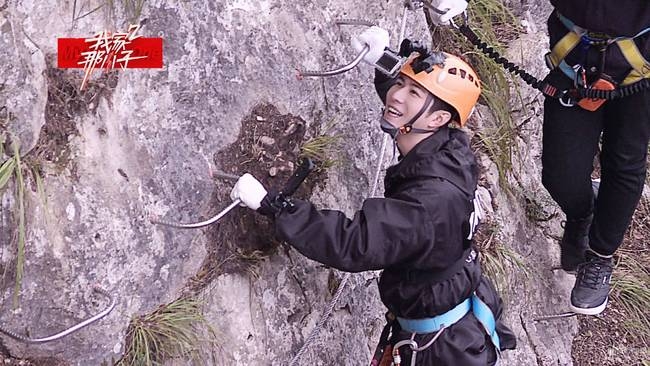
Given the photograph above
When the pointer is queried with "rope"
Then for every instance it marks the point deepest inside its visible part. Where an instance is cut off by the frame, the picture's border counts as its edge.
(493, 54)
(346, 277)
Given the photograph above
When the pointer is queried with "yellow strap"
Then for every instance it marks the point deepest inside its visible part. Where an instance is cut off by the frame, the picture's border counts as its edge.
(640, 66)
(563, 47)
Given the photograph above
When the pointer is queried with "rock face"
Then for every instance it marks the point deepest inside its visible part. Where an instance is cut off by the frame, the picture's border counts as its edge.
(140, 143)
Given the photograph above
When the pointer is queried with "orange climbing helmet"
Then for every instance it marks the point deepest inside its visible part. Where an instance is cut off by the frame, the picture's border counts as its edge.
(452, 80)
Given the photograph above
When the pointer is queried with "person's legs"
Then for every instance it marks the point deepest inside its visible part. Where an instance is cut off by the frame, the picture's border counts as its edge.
(623, 168)
(570, 142)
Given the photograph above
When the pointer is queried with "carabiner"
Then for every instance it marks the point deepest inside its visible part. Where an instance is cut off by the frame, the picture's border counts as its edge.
(397, 359)
(569, 102)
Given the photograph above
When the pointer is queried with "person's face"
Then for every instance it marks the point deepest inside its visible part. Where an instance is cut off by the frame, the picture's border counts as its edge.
(403, 101)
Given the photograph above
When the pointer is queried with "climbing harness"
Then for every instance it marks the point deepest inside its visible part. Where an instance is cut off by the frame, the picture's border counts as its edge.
(302, 171)
(434, 325)
(70, 330)
(389, 63)
(635, 82)
(580, 36)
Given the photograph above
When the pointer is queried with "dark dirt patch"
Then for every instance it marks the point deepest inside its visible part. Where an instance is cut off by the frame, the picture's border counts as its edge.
(65, 102)
(7, 360)
(267, 147)
(610, 340)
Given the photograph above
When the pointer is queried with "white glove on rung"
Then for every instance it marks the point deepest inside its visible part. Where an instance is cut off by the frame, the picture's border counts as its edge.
(375, 37)
(451, 7)
(249, 190)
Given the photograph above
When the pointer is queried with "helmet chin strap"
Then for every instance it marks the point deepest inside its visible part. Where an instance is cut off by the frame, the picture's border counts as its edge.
(407, 127)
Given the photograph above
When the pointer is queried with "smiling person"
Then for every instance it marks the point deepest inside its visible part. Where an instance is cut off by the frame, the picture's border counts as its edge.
(441, 310)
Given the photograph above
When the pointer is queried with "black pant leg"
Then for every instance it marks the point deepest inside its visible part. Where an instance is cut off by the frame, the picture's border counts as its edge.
(569, 144)
(623, 168)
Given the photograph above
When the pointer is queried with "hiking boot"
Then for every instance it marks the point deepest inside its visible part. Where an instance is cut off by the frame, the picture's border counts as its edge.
(589, 295)
(575, 241)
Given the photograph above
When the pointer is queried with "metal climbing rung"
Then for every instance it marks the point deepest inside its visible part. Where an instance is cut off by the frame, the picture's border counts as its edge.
(70, 330)
(339, 70)
(366, 23)
(555, 316)
(197, 225)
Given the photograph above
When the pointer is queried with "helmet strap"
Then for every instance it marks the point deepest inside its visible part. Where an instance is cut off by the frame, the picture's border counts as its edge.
(408, 127)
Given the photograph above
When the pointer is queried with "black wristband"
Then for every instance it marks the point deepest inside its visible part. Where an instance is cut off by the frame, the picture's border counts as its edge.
(275, 202)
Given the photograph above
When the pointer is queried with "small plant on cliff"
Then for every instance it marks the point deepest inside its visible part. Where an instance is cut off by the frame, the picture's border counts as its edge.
(173, 330)
(324, 147)
(495, 24)
(12, 167)
(495, 256)
(631, 293)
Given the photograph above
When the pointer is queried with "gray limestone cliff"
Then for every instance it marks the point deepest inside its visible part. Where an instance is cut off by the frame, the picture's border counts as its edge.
(142, 142)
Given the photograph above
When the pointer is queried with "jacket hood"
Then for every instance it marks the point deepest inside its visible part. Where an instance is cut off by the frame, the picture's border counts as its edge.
(445, 154)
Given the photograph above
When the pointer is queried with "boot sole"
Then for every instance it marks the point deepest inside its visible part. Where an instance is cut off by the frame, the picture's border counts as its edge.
(589, 311)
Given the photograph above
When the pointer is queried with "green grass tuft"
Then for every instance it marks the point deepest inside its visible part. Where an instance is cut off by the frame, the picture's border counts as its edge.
(20, 194)
(496, 258)
(172, 331)
(12, 168)
(495, 24)
(631, 292)
(322, 149)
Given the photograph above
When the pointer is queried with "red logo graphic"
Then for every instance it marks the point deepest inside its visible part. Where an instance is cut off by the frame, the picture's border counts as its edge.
(108, 51)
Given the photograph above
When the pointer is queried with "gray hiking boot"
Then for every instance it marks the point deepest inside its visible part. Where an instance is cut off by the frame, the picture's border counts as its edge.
(589, 295)
(575, 241)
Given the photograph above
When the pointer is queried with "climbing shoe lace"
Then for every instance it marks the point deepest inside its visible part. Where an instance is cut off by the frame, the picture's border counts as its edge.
(589, 295)
(575, 242)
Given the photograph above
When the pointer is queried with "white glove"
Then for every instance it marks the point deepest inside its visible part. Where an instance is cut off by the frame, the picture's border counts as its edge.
(249, 190)
(451, 7)
(375, 37)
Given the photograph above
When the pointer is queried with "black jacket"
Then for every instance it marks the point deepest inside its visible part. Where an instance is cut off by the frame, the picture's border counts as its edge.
(420, 225)
(414, 233)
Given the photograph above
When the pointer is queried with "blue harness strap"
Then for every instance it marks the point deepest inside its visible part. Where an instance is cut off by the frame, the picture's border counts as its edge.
(484, 314)
(434, 324)
(431, 325)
